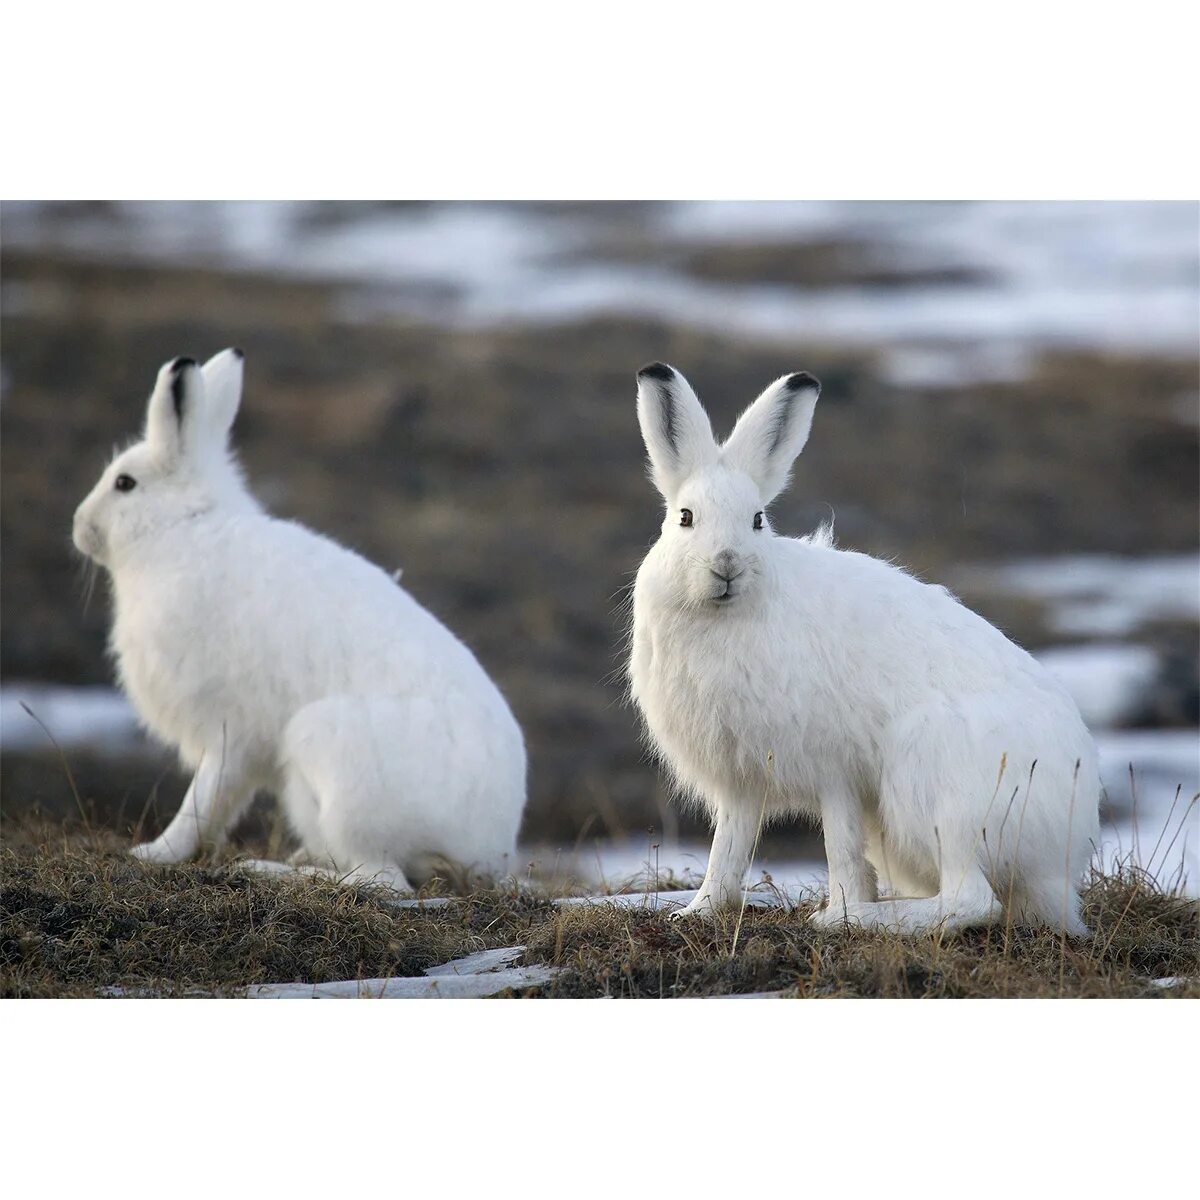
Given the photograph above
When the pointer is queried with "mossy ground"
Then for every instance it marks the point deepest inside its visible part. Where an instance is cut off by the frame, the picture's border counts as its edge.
(79, 917)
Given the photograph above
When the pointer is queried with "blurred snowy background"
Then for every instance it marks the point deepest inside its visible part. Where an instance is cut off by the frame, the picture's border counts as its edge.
(1011, 407)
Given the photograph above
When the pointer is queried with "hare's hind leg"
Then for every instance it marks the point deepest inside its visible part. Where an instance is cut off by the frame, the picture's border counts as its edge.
(933, 808)
(378, 787)
(326, 850)
(218, 794)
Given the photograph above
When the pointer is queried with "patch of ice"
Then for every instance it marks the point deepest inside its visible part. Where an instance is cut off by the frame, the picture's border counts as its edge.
(777, 995)
(441, 987)
(765, 898)
(1107, 680)
(478, 964)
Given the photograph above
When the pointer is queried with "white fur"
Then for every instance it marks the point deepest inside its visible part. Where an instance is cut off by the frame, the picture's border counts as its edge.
(831, 684)
(275, 659)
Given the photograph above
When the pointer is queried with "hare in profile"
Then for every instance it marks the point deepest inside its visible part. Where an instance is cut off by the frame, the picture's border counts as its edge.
(782, 675)
(272, 658)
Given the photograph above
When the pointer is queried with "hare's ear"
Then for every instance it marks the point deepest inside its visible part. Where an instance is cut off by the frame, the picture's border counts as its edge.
(222, 393)
(178, 394)
(675, 427)
(772, 431)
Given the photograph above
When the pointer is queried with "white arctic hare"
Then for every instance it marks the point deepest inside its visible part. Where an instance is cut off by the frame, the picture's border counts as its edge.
(781, 675)
(275, 659)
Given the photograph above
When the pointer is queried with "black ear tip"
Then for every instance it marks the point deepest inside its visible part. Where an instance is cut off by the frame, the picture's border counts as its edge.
(181, 364)
(657, 370)
(237, 352)
(801, 380)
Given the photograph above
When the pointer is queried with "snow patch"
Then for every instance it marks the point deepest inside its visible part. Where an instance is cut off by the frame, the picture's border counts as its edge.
(1107, 680)
(1104, 596)
(1110, 276)
(75, 716)
(447, 987)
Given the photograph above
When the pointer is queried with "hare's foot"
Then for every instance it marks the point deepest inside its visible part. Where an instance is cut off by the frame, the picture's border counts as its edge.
(163, 852)
(832, 916)
(701, 906)
(845, 903)
(972, 905)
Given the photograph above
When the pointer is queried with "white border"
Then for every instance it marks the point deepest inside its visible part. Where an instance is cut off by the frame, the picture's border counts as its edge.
(581, 1098)
(647, 99)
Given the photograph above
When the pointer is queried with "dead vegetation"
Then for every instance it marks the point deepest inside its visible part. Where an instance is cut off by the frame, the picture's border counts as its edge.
(78, 917)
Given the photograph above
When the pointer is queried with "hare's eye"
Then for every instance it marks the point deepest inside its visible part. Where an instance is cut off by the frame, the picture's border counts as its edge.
(758, 520)
(125, 483)
(685, 517)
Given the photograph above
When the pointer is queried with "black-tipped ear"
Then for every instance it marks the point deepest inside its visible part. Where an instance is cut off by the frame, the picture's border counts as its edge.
(658, 378)
(177, 393)
(657, 370)
(772, 431)
(179, 368)
(675, 427)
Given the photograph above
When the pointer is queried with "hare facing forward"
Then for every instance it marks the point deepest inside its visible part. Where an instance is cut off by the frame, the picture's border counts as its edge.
(782, 675)
(274, 659)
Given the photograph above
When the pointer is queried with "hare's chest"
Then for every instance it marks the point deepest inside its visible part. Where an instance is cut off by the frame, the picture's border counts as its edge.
(168, 660)
(714, 712)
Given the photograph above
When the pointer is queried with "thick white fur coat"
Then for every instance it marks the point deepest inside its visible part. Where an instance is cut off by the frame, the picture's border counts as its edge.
(779, 675)
(275, 659)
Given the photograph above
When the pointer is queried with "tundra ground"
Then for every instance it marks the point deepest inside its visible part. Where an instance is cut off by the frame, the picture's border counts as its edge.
(79, 917)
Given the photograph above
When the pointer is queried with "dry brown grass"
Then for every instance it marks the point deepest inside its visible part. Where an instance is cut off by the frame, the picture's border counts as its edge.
(78, 917)
(1141, 934)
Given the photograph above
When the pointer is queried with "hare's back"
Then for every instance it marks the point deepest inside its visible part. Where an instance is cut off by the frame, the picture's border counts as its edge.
(886, 622)
(294, 607)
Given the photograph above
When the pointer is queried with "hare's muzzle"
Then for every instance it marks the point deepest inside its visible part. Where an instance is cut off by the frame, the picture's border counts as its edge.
(86, 537)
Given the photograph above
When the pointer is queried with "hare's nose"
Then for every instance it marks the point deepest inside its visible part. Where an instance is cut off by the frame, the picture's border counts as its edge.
(726, 566)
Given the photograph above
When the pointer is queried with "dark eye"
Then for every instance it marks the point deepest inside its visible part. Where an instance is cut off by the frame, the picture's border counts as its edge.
(758, 520)
(125, 483)
(685, 517)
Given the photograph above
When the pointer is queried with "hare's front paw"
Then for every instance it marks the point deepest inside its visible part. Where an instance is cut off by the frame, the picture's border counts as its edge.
(157, 852)
(701, 906)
